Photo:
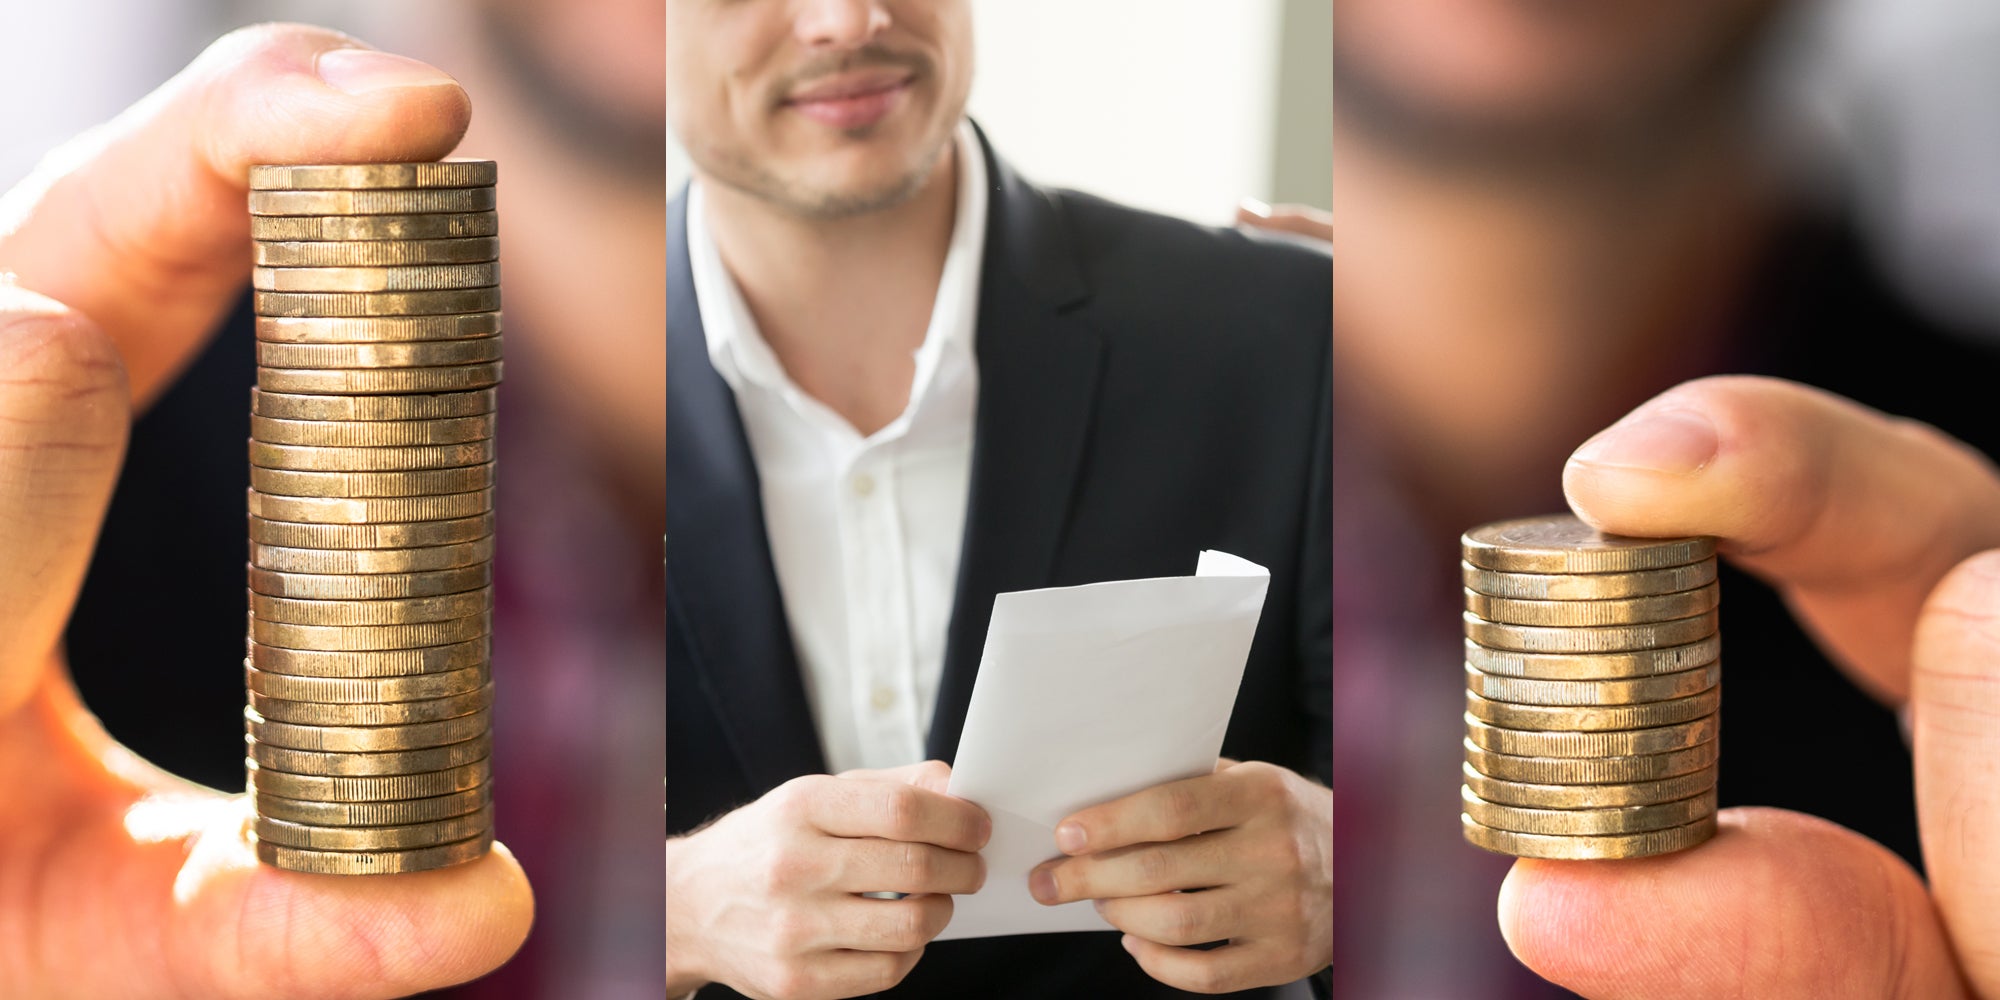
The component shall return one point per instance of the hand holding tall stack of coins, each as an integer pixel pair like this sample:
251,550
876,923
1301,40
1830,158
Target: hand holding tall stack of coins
371,514
1592,670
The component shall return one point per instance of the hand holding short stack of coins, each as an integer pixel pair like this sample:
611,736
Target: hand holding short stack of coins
371,514
1592,671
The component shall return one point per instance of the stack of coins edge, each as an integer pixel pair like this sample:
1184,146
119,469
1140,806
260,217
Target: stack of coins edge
1593,688
368,676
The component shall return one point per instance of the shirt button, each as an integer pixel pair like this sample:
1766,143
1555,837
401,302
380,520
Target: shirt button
864,484
882,698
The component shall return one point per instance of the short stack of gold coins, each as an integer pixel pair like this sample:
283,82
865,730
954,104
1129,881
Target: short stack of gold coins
1592,674
371,514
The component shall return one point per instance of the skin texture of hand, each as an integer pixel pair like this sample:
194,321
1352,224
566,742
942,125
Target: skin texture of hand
1880,535
767,898
1255,838
117,879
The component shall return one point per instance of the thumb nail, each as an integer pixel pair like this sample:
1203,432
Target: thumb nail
1676,441
362,71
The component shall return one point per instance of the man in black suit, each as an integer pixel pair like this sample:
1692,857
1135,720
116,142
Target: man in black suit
903,380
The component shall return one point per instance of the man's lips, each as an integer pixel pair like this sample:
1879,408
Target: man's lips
852,100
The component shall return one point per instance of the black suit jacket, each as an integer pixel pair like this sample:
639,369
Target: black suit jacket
1148,389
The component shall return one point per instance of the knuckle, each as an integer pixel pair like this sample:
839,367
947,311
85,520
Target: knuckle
902,812
1181,805
792,981
915,866
1205,977
882,971
1154,866
1187,924
792,930
908,927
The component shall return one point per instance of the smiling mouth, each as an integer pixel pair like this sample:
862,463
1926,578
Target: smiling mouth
854,102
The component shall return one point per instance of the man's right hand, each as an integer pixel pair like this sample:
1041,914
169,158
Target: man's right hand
768,900
117,879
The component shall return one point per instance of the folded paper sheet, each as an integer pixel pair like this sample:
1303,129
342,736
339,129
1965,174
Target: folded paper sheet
1087,694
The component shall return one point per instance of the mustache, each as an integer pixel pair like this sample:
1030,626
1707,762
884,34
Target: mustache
866,57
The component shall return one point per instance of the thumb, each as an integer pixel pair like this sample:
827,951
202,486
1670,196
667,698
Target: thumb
64,413
141,224
1778,906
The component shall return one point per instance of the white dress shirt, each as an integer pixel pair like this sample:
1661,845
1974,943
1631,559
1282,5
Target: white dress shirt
864,531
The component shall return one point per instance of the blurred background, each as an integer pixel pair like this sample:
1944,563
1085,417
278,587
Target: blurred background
1217,100
568,98
1547,213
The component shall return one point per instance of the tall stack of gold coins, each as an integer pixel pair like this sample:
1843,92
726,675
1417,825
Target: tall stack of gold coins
1592,674
371,514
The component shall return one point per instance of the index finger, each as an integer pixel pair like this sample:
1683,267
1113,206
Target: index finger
140,223
1853,514
850,807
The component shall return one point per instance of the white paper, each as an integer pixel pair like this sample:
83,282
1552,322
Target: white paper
1088,694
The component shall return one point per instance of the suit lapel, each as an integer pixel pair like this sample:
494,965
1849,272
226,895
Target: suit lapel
722,592
1038,375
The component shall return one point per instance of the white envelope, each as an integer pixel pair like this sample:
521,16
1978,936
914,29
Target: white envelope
1087,694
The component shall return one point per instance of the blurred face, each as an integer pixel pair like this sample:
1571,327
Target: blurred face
824,108
1538,68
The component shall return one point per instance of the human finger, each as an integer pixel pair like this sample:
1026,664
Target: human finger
1777,905
843,807
1180,918
1165,812
1955,699
876,865
64,415
140,224
1854,515
1199,862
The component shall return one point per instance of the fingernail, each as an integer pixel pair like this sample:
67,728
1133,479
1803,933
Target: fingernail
1676,441
1042,886
1070,838
362,71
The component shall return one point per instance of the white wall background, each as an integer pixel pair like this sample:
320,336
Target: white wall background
1163,104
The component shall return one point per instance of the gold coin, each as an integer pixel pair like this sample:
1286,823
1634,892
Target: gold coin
366,690
1594,666
364,561
370,510
1619,611
1591,770
335,764
1629,845
404,278
1598,639
1664,687
437,406
362,228
407,201
380,381
1587,586
338,176
425,810
1622,743
366,638
398,611
372,485
393,535
382,253
1644,793
374,838
418,354
1562,543
371,433
1594,717
402,713
318,458
377,329
379,663
374,587
339,304
379,788
301,859
1587,822
367,739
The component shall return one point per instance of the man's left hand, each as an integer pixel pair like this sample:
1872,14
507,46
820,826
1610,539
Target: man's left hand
1244,855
